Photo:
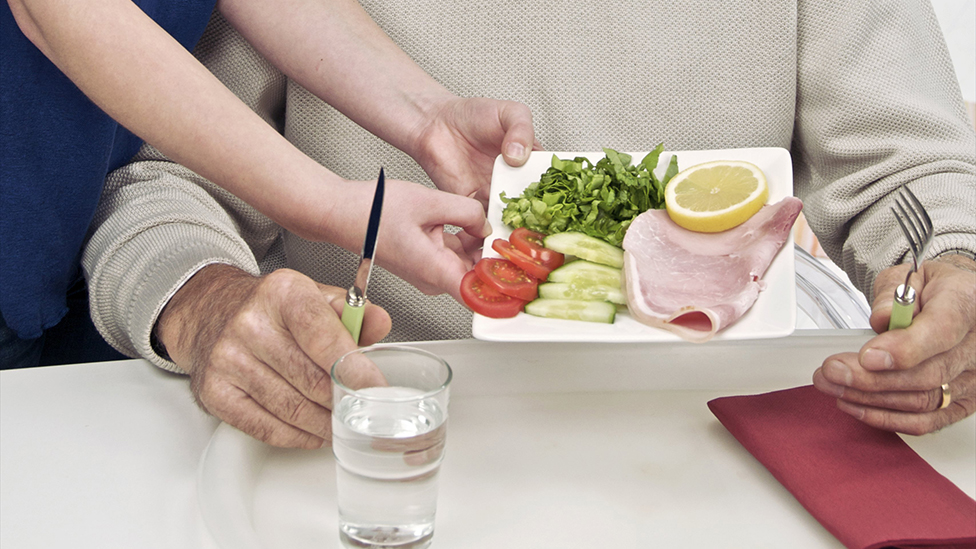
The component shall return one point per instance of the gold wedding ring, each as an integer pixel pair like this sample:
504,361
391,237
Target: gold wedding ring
946,396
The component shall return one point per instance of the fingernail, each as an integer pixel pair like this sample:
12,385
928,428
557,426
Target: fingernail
825,386
876,359
851,409
515,151
838,372
487,228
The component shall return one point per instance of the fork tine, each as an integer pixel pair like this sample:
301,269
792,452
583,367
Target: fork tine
910,228
923,217
908,236
917,226
919,208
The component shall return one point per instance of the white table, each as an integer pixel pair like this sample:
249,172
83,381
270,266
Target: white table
106,455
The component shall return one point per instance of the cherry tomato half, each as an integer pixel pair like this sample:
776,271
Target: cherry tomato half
485,300
533,267
532,244
507,278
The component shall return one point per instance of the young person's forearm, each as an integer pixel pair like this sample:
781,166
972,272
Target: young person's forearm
335,50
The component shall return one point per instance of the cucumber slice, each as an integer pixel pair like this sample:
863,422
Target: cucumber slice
586,247
568,309
562,290
586,273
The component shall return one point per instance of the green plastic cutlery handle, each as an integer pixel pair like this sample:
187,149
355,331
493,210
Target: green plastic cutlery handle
352,319
902,308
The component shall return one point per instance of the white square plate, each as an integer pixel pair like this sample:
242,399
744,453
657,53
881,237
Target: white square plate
773,314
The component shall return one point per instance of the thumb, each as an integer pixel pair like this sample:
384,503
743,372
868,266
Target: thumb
884,294
516,120
376,321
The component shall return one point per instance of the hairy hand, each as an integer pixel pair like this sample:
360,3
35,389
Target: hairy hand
894,382
258,350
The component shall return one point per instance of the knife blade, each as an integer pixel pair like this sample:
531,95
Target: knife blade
352,309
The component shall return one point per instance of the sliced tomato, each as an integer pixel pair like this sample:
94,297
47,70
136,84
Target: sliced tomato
507,278
532,244
485,300
533,267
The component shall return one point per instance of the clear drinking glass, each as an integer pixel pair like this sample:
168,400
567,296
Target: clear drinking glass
389,421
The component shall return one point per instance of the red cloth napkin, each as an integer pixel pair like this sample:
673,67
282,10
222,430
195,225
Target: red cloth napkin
865,486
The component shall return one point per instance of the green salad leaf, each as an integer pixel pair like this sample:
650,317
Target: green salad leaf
600,200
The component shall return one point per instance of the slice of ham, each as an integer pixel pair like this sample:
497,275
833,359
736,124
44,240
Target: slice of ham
695,284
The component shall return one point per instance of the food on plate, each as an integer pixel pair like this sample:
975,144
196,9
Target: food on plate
582,292
536,268
694,249
598,199
531,243
586,247
586,273
507,278
588,311
485,300
716,196
500,288
692,283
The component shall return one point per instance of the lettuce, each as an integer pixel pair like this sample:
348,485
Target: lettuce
600,200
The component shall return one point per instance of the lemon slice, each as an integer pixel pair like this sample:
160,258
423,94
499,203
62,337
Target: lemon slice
715,196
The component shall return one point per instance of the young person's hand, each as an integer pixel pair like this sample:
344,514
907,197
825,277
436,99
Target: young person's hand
413,243
459,146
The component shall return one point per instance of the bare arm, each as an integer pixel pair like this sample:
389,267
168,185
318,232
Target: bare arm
144,79
337,52
148,82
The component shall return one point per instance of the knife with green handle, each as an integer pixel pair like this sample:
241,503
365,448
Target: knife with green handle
355,305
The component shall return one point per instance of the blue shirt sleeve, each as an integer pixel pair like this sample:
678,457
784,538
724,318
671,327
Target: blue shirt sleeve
57,148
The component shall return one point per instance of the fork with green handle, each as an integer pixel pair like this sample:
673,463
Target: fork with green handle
917,227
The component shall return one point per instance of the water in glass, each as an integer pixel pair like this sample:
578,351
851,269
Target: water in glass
387,458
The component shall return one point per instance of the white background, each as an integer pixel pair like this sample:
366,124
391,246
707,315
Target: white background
958,20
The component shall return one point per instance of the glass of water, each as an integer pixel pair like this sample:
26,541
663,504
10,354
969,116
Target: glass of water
389,421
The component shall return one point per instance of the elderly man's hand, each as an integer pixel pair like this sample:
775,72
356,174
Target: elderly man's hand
258,349
894,382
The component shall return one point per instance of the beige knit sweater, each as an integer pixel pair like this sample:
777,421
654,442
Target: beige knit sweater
862,93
